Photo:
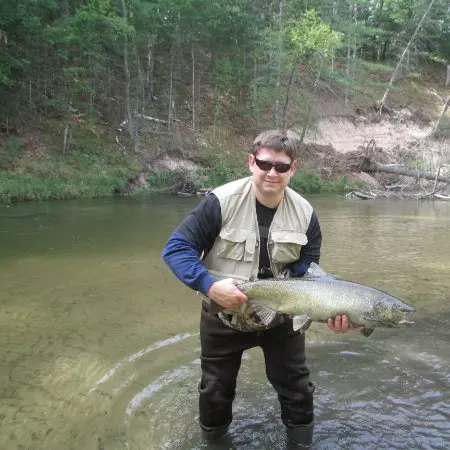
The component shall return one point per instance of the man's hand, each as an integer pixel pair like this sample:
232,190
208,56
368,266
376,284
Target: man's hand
226,294
343,324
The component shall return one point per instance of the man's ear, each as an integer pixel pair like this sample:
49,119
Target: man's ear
294,166
251,162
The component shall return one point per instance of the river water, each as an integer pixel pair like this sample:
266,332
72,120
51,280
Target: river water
99,342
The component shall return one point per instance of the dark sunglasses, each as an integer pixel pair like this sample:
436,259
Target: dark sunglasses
267,165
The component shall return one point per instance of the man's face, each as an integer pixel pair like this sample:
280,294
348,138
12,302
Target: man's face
271,183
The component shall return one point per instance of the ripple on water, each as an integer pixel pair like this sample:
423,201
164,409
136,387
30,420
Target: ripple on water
367,397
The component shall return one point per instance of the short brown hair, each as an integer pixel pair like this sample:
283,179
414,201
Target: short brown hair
279,140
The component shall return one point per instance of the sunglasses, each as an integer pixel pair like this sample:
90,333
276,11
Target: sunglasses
267,165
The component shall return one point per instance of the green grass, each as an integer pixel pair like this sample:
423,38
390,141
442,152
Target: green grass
94,168
307,182
162,182
310,182
220,173
26,186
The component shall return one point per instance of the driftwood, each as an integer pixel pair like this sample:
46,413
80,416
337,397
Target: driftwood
442,197
377,193
362,195
371,166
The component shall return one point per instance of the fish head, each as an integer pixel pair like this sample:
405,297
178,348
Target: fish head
392,312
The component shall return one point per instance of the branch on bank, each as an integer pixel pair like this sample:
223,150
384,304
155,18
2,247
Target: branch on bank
148,118
396,169
419,186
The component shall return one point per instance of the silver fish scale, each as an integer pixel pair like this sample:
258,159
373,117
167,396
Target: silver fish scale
324,297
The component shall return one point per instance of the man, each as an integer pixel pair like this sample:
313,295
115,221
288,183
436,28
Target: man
256,227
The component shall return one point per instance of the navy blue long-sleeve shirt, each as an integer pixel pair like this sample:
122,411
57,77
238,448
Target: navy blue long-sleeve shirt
198,232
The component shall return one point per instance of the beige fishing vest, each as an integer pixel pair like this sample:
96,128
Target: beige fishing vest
235,253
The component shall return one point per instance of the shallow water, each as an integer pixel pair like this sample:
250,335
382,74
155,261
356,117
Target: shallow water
100,342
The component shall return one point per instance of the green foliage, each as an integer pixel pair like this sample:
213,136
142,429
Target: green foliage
10,153
223,172
65,61
162,182
310,182
312,37
220,173
17,187
94,168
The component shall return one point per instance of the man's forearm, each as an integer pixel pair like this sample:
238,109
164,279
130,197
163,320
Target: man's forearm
184,260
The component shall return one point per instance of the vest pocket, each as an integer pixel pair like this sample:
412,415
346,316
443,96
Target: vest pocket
285,246
236,244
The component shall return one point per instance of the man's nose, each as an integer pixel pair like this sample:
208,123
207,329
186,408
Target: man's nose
272,171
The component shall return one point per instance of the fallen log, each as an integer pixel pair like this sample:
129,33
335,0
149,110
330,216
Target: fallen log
372,166
441,196
362,195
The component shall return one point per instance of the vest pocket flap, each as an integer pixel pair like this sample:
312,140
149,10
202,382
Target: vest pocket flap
234,235
286,245
236,244
285,237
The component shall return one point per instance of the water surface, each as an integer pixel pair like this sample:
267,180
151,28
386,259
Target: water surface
100,342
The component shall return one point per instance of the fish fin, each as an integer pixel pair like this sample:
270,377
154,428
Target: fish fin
301,323
264,313
367,332
315,271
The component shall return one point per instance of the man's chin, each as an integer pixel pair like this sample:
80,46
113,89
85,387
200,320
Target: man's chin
272,189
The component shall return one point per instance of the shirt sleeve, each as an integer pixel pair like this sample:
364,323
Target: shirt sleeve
195,235
311,251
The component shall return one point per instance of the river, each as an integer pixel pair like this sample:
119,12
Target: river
100,347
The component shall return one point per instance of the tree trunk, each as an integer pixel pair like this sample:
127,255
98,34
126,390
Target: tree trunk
286,102
193,87
370,166
67,136
126,70
355,21
447,80
150,67
280,53
142,83
347,67
444,110
310,105
171,104
255,93
405,51
385,49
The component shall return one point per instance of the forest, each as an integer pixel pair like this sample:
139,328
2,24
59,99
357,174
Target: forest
93,91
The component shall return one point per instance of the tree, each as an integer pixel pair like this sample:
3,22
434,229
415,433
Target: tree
404,53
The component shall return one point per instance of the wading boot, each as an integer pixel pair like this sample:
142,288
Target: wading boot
300,437
217,437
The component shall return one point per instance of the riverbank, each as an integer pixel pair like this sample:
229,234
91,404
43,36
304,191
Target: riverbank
108,171
33,169
98,160
23,187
